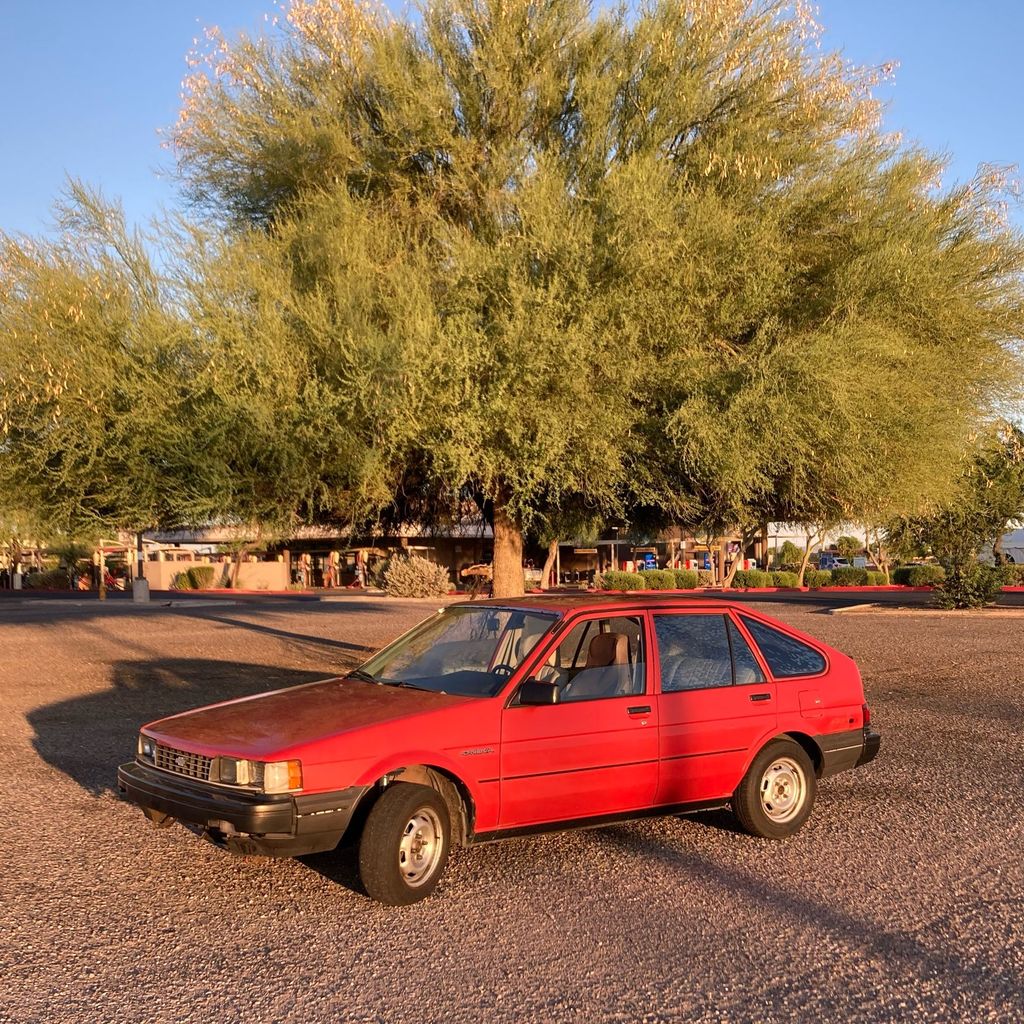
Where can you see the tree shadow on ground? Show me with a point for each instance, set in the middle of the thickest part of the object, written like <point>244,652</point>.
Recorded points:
<point>86,738</point>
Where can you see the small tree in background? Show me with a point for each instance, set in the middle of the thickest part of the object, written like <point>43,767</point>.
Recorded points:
<point>848,547</point>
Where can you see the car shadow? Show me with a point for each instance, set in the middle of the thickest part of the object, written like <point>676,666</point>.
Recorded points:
<point>87,737</point>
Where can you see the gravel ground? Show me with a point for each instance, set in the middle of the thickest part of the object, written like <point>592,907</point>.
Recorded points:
<point>902,899</point>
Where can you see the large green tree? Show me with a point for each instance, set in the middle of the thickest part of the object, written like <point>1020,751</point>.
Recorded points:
<point>665,260</point>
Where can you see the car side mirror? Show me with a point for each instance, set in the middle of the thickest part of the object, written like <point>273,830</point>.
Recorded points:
<point>535,692</point>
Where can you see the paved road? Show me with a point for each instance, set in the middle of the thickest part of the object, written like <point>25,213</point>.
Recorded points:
<point>902,900</point>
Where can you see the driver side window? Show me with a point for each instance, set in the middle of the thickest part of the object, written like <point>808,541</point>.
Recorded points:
<point>598,658</point>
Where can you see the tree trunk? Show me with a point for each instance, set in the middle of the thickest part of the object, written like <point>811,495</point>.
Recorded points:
<point>508,553</point>
<point>549,564</point>
<point>807,557</point>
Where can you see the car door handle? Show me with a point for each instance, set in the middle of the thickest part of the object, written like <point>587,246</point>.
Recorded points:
<point>640,709</point>
<point>760,696</point>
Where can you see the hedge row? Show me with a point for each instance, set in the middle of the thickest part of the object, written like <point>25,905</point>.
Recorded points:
<point>918,575</point>
<point>649,579</point>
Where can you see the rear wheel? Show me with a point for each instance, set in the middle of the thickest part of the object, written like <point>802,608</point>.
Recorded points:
<point>404,846</point>
<point>777,793</point>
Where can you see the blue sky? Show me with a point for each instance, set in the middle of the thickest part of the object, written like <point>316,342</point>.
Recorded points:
<point>87,85</point>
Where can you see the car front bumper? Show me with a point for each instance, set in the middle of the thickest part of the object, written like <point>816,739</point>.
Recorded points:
<point>273,825</point>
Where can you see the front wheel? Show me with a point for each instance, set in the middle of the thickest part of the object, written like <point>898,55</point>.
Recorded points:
<point>404,846</point>
<point>777,793</point>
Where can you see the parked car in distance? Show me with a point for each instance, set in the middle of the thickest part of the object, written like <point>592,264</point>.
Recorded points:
<point>501,718</point>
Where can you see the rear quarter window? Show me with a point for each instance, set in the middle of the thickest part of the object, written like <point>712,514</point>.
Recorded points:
<point>786,656</point>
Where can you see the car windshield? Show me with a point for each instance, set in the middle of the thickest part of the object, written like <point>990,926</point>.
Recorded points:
<point>470,651</point>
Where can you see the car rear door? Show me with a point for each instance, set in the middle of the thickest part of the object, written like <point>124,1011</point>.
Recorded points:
<point>715,704</point>
<point>593,753</point>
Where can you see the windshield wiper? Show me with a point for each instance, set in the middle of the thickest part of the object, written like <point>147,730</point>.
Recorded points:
<point>358,673</point>
<point>404,685</point>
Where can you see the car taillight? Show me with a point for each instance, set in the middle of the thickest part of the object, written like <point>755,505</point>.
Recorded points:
<point>867,714</point>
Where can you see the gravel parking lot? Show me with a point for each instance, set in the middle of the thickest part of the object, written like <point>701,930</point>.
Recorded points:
<point>902,900</point>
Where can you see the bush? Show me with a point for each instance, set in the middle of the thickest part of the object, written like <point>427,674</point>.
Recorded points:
<point>200,577</point>
<point>752,578</point>
<point>876,578</point>
<point>416,577</point>
<point>705,578</point>
<point>918,575</point>
<point>181,581</point>
<point>785,579</point>
<point>52,579</point>
<point>615,579</point>
<point>848,576</point>
<point>972,587</point>
<point>1014,575</point>
<point>658,579</point>
<point>815,578</point>
<point>686,579</point>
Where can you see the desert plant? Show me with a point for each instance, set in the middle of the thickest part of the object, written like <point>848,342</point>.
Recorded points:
<point>705,578</point>
<point>785,579</point>
<point>414,576</point>
<point>687,579</point>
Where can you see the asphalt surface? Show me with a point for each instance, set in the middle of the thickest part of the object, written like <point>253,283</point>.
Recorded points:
<point>901,900</point>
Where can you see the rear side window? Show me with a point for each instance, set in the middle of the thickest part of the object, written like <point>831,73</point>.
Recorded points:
<point>785,655</point>
<point>694,652</point>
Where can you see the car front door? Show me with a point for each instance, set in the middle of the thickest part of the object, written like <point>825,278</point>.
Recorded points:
<point>595,751</point>
<point>715,705</point>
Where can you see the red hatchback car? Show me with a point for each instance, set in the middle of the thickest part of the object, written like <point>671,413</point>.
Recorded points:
<point>501,718</point>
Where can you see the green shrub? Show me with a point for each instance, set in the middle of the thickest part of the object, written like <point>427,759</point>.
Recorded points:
<point>918,575</point>
<point>971,587</point>
<point>815,578</point>
<point>1014,575</point>
<point>705,578</point>
<point>416,577</point>
<point>615,579</point>
<point>848,576</point>
<point>754,578</point>
<point>687,579</point>
<point>181,581</point>
<point>876,578</point>
<point>200,577</point>
<point>658,579</point>
<point>785,579</point>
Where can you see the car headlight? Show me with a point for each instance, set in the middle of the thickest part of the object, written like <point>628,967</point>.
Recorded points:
<point>270,777</point>
<point>233,771</point>
<point>147,748</point>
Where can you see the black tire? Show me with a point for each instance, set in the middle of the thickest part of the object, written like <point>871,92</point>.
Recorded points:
<point>404,846</point>
<point>781,770</point>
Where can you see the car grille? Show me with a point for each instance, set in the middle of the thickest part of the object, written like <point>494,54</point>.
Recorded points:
<point>183,762</point>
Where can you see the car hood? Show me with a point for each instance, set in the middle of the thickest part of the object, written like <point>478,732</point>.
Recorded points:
<point>282,719</point>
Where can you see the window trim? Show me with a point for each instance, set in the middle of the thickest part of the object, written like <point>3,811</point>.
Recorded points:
<point>827,664</point>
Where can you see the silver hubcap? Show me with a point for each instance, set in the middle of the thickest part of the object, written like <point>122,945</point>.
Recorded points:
<point>783,789</point>
<point>420,848</point>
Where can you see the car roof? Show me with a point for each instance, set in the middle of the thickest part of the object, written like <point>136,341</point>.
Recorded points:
<point>563,603</point>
